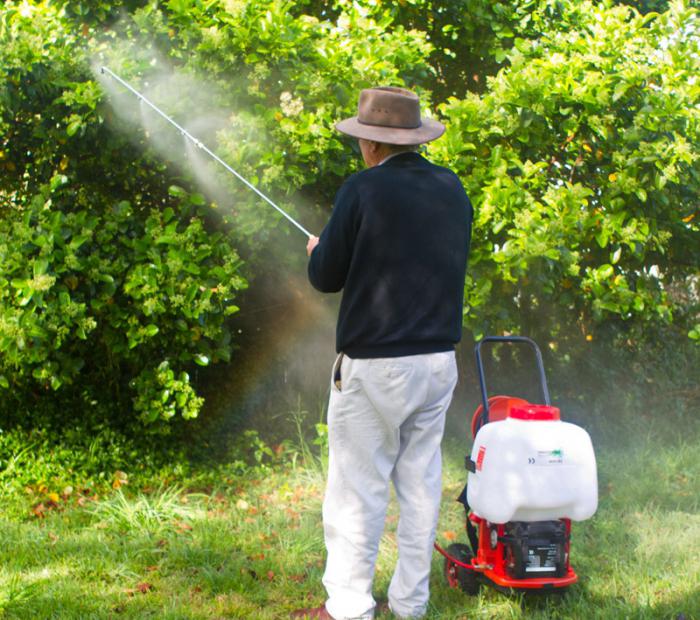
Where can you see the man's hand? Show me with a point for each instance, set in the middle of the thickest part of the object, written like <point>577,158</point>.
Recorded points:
<point>312,243</point>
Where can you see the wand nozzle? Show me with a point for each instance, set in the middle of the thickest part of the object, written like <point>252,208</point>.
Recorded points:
<point>199,144</point>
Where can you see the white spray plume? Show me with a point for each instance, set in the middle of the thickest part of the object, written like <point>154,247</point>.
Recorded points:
<point>148,107</point>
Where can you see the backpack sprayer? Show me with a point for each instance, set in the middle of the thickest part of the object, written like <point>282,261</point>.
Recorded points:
<point>203,147</point>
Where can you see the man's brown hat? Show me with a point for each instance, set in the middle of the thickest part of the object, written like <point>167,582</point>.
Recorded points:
<point>390,115</point>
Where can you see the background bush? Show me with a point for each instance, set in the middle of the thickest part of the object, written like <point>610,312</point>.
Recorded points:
<point>574,126</point>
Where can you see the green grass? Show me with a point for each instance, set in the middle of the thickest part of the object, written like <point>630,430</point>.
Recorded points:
<point>182,543</point>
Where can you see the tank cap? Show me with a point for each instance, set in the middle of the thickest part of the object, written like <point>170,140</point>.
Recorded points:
<point>534,412</point>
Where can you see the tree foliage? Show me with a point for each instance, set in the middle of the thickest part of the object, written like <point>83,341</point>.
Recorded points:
<point>116,277</point>
<point>582,157</point>
<point>105,276</point>
<point>574,126</point>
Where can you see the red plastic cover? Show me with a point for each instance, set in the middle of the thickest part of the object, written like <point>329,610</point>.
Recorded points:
<point>534,412</point>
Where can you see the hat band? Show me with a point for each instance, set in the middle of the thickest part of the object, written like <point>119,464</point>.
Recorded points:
<point>385,122</point>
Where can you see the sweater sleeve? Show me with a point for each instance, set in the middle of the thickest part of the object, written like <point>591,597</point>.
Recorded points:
<point>330,261</point>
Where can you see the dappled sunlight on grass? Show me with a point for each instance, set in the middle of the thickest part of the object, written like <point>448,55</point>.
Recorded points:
<point>254,548</point>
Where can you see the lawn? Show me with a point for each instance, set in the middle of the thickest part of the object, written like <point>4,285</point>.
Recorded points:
<point>182,543</point>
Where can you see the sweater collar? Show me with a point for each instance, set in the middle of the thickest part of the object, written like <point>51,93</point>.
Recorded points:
<point>398,158</point>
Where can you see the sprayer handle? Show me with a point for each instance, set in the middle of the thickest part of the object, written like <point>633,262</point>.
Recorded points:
<point>482,379</point>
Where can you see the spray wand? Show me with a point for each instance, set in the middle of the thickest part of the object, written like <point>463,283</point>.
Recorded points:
<point>203,147</point>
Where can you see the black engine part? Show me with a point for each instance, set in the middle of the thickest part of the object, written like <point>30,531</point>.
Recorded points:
<point>535,549</point>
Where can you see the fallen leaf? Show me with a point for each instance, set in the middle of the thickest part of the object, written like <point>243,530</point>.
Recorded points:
<point>143,588</point>
<point>181,527</point>
<point>120,479</point>
<point>449,535</point>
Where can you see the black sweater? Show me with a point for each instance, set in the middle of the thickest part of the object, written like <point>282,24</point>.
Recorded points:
<point>397,243</point>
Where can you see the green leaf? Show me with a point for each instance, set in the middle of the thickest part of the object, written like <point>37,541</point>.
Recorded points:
<point>201,359</point>
<point>4,382</point>
<point>151,330</point>
<point>177,191</point>
<point>604,272</point>
<point>57,181</point>
<point>40,267</point>
<point>77,241</point>
<point>198,200</point>
<point>602,238</point>
<point>74,125</point>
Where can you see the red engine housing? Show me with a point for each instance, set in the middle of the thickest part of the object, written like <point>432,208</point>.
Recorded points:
<point>493,561</point>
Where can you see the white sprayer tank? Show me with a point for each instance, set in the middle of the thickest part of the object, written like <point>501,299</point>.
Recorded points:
<point>533,467</point>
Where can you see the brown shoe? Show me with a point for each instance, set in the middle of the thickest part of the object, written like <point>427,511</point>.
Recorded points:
<point>316,612</point>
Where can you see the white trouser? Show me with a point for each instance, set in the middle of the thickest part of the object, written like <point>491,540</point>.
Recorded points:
<point>385,422</point>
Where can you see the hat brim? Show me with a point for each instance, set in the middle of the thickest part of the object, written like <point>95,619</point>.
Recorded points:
<point>429,130</point>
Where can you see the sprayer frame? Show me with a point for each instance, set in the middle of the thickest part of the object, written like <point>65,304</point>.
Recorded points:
<point>487,563</point>
<point>200,145</point>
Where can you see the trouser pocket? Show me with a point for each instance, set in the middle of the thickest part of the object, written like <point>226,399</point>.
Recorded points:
<point>336,377</point>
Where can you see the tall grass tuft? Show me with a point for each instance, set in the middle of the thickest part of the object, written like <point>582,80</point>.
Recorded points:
<point>15,591</point>
<point>165,508</point>
<point>312,454</point>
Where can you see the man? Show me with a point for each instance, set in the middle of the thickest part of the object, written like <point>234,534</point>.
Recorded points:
<point>396,244</point>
